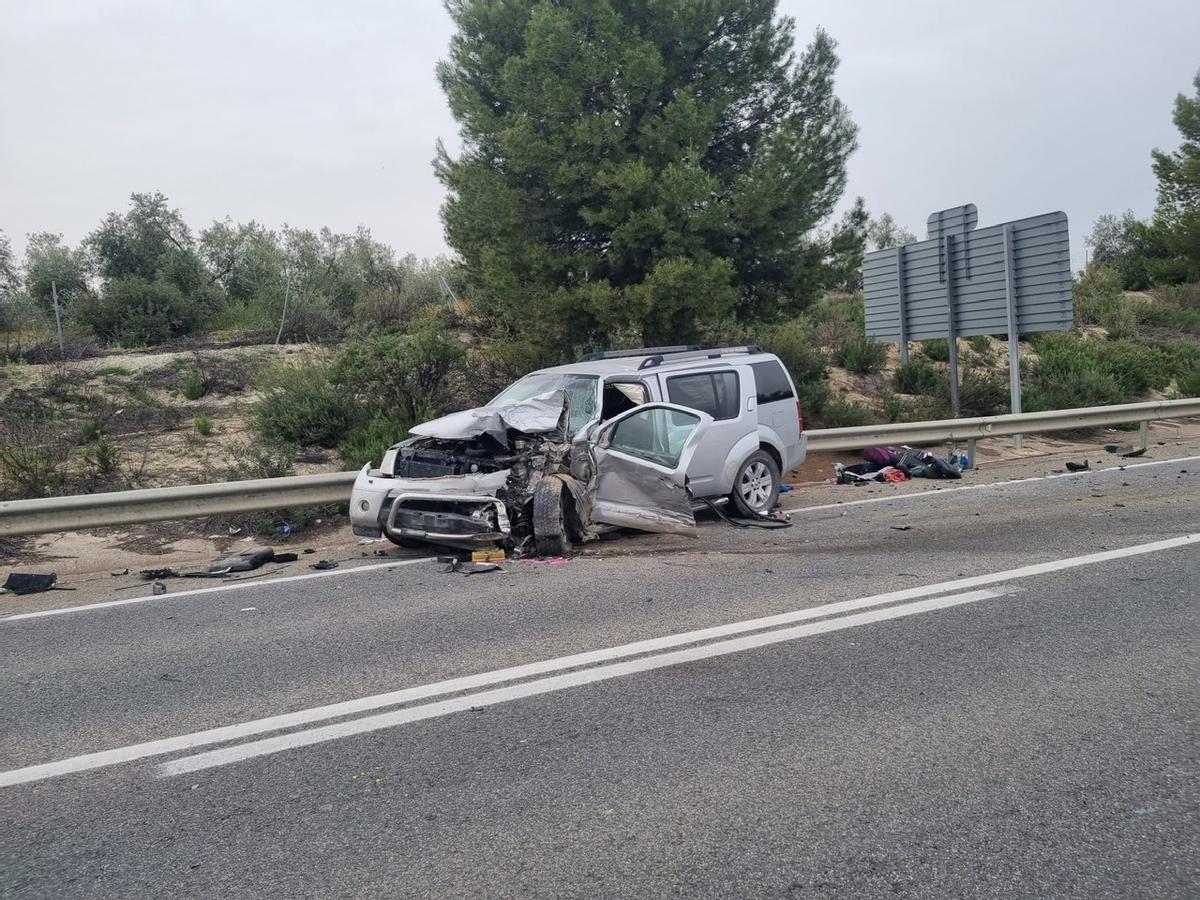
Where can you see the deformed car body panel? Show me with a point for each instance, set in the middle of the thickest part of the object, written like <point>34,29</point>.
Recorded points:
<point>537,415</point>
<point>630,491</point>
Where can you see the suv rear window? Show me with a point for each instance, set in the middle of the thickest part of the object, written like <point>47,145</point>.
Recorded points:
<point>772,382</point>
<point>715,393</point>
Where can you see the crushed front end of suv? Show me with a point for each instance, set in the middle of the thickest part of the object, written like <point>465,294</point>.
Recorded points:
<point>512,474</point>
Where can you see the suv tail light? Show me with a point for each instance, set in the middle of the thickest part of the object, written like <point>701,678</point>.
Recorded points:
<point>800,415</point>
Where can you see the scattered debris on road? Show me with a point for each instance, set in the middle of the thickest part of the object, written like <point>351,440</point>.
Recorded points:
<point>323,565</point>
<point>1078,467</point>
<point>21,583</point>
<point>460,566</point>
<point>1124,450</point>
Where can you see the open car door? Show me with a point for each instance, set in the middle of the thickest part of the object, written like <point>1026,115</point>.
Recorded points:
<point>640,463</point>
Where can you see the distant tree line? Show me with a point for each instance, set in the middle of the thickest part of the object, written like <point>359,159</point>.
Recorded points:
<point>144,277</point>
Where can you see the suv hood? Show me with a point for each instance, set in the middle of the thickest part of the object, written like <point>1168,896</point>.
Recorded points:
<point>537,415</point>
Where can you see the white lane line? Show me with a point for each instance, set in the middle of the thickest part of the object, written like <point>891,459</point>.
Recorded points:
<point>311,736</point>
<point>248,583</point>
<point>942,492</point>
<point>225,733</point>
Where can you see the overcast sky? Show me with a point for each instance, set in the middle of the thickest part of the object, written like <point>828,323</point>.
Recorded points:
<point>318,113</point>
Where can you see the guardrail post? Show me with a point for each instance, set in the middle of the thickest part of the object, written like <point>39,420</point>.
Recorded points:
<point>970,453</point>
<point>1144,434</point>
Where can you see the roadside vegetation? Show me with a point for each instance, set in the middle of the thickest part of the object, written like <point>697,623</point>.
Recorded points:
<point>240,351</point>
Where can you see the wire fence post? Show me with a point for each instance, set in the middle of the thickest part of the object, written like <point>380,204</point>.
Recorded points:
<point>287,290</point>
<point>57,318</point>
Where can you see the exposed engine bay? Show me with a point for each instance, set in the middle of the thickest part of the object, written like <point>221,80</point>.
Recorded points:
<point>469,478</point>
<point>514,476</point>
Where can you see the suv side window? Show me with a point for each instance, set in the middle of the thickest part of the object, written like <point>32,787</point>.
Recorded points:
<point>772,382</point>
<point>715,393</point>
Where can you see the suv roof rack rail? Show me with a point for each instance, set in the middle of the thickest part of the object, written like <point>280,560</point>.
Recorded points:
<point>712,353</point>
<point>656,356</point>
<point>639,351</point>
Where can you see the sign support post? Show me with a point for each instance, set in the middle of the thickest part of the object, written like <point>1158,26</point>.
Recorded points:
<point>951,328</point>
<point>900,301</point>
<point>1014,333</point>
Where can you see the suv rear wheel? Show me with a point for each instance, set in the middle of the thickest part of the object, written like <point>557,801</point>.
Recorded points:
<point>756,486</point>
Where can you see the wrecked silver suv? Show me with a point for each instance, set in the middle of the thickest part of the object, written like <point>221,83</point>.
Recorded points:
<point>570,437</point>
<point>512,474</point>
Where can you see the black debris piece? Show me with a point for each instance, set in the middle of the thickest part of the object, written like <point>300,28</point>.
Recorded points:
<point>284,557</point>
<point>30,583</point>
<point>323,564</point>
<point>1078,467</point>
<point>308,550</point>
<point>159,574</point>
<point>469,568</point>
<point>1125,450</point>
<point>901,527</point>
<point>764,521</point>
<point>245,561</point>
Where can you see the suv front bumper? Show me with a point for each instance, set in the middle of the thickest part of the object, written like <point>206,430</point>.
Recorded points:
<point>451,509</point>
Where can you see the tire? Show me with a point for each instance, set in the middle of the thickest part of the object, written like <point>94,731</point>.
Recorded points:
<point>756,485</point>
<point>549,523</point>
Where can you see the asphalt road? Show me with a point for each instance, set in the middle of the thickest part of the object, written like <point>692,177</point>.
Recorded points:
<point>970,693</point>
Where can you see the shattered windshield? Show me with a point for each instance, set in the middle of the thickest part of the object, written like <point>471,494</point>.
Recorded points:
<point>582,390</point>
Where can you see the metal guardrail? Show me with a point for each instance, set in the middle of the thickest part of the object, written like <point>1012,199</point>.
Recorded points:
<point>962,430</point>
<point>162,504</point>
<point>18,517</point>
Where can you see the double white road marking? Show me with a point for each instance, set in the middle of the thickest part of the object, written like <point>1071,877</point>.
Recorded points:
<point>568,671</point>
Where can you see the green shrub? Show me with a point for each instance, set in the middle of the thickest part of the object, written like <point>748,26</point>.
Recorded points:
<point>1098,300</point>
<point>34,453</point>
<point>203,425</point>
<point>192,386</point>
<point>937,349</point>
<point>407,377</point>
<point>299,405</point>
<point>1182,359</point>
<point>100,464</point>
<point>917,376</point>
<point>367,443</point>
<point>1136,367</point>
<point>795,346</point>
<point>133,312</point>
<point>862,354</point>
<point>268,459</point>
<point>1189,384</point>
<point>1174,307</point>
<point>812,396</point>
<point>1069,373</point>
<point>979,394</point>
<point>835,319</point>
<point>843,413</point>
<point>90,430</point>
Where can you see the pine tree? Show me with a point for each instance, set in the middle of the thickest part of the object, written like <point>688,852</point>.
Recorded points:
<point>1177,217</point>
<point>634,170</point>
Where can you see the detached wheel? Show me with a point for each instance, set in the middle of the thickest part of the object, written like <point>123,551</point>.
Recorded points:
<point>549,521</point>
<point>756,486</point>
